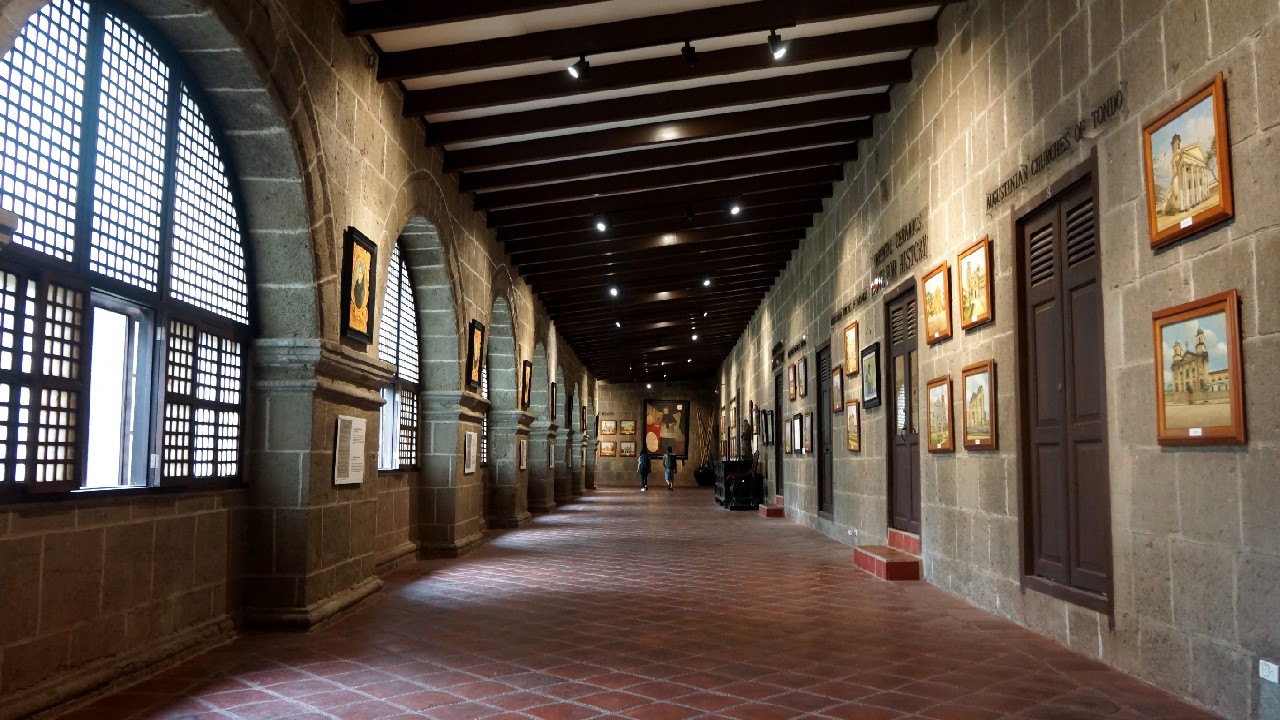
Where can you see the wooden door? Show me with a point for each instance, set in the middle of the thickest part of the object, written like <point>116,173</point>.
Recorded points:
<point>902,319</point>
<point>1064,391</point>
<point>822,426</point>
<point>778,440</point>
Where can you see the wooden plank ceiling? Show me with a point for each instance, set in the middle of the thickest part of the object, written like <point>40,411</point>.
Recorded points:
<point>654,143</point>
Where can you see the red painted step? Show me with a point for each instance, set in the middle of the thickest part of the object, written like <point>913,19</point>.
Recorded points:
<point>887,563</point>
<point>771,510</point>
<point>905,541</point>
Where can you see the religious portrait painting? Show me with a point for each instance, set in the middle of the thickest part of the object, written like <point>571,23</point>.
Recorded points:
<point>359,264</point>
<point>475,352</point>
<point>666,424</point>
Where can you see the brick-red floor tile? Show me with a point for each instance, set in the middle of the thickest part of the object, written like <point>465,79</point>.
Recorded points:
<point>652,607</point>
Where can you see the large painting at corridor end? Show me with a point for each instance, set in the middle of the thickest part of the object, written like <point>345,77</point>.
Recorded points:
<point>1199,392</point>
<point>1188,166</point>
<point>666,424</point>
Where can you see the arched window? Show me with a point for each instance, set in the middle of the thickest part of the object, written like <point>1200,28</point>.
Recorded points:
<point>484,420</point>
<point>398,345</point>
<point>124,305</point>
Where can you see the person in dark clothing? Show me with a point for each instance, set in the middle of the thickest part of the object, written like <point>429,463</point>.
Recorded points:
<point>642,467</point>
<point>669,468</point>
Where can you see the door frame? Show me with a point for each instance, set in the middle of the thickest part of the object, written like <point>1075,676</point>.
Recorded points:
<point>908,285</point>
<point>1088,169</point>
<point>822,420</point>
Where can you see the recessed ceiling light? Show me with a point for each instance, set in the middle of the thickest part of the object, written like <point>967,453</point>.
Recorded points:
<point>618,323</point>
<point>649,385</point>
<point>601,223</point>
<point>735,206</point>
<point>613,291</point>
<point>695,336</point>
<point>706,283</point>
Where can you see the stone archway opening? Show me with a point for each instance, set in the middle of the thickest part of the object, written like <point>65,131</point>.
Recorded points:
<point>541,473</point>
<point>506,501</point>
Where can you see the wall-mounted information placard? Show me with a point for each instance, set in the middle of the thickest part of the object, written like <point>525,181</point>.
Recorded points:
<point>348,451</point>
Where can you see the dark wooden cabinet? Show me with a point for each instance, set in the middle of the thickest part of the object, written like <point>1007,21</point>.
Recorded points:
<point>738,485</point>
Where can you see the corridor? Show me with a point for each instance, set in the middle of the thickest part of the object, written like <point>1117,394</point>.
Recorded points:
<point>650,606</point>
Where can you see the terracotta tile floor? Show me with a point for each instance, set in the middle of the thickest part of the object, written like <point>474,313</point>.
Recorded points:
<point>659,606</point>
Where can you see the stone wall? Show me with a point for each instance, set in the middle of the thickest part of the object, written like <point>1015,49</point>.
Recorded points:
<point>1196,543</point>
<point>625,401</point>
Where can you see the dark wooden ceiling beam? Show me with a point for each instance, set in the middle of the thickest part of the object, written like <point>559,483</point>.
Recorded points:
<point>666,178</point>
<point>676,253</point>
<point>706,213</point>
<point>665,157</point>
<point>654,134</point>
<point>655,30</point>
<point>670,102</point>
<point>599,284</point>
<point>719,191</point>
<point>658,289</point>
<point>388,15</point>
<point>658,261</point>
<point>653,71</point>
<point>780,228</point>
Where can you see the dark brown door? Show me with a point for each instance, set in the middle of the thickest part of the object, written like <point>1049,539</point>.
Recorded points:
<point>822,425</point>
<point>1064,391</point>
<point>777,434</point>
<point>904,396</point>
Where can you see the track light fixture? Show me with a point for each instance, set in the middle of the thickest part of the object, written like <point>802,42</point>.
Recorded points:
<point>776,46</point>
<point>581,69</point>
<point>690,55</point>
<point>601,223</point>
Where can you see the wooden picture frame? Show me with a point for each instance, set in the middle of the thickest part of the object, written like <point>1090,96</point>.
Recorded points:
<point>791,381</point>
<point>808,432</point>
<point>870,360</point>
<point>626,427</point>
<point>853,426</point>
<point>1199,372</point>
<point>973,274</point>
<point>359,285</point>
<point>797,433</point>
<point>470,450</point>
<point>582,419</point>
<point>851,348</point>
<point>608,448</point>
<point>837,390</point>
<point>802,376</point>
<point>608,427</point>
<point>475,352</point>
<point>626,448</point>
<point>940,436</point>
<point>551,400</point>
<point>978,405</point>
<point>937,304</point>
<point>667,422</point>
<point>1188,167</point>
<point>786,436</point>
<point>526,380</point>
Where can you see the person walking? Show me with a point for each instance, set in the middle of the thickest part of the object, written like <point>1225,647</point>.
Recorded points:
<point>642,467</point>
<point>669,469</point>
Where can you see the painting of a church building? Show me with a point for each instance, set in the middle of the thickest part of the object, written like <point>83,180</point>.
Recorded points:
<point>1184,157</point>
<point>1197,382</point>
<point>1192,381</point>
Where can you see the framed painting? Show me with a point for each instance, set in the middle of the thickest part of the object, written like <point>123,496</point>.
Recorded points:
<point>359,273</point>
<point>626,427</point>
<point>733,416</point>
<point>751,415</point>
<point>608,427</point>
<point>941,426</point>
<point>475,352</point>
<point>871,376</point>
<point>470,447</point>
<point>582,418</point>
<point>937,304</point>
<point>608,448</point>
<point>666,424</point>
<point>1187,159</point>
<point>526,383</point>
<point>802,376</point>
<point>791,381</point>
<point>1199,386</point>
<point>786,436</point>
<point>837,389</point>
<point>979,405</point>
<point>522,453</point>
<point>797,433</point>
<point>851,348</point>
<point>808,431</point>
<point>552,400</point>
<point>973,265</point>
<point>627,448</point>
<point>853,426</point>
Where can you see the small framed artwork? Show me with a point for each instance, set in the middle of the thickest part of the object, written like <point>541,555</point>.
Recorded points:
<point>791,381</point>
<point>733,415</point>
<point>937,304</point>
<point>1186,156</point>
<point>522,453</point>
<point>974,267</point>
<point>526,380</point>
<point>610,427</point>
<point>359,267</point>
<point>871,376</point>
<point>786,436</point>
<point>608,448</point>
<point>797,433</point>
<point>853,423</point>
<point>802,376</point>
<point>751,415</point>
<point>551,457</point>
<point>808,432</point>
<point>553,401</point>
<point>979,405</point>
<point>837,389</point>
<point>475,352</point>
<point>941,427</point>
<point>851,348</point>
<point>627,448</point>
<point>768,428</point>
<point>626,427</point>
<point>1199,386</point>
<point>582,418</point>
<point>470,445</point>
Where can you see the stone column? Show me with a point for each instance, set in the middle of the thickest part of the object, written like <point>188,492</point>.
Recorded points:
<point>579,474</point>
<point>509,498</point>
<point>448,512</point>
<point>593,449</point>
<point>541,478</point>
<point>564,467</point>
<point>313,541</point>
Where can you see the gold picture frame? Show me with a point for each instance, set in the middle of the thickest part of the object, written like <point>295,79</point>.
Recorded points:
<point>851,348</point>
<point>475,352</point>
<point>608,427</point>
<point>626,427</point>
<point>359,276</point>
<point>937,304</point>
<point>837,390</point>
<point>853,426</point>
<point>940,425</point>
<point>973,273</point>
<point>978,383</point>
<point>608,448</point>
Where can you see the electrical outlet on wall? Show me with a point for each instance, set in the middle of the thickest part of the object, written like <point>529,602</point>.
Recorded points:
<point>1268,671</point>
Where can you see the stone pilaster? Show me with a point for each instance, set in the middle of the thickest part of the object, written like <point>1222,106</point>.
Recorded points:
<point>564,448</point>
<point>593,448</point>
<point>541,475</point>
<point>449,508</point>
<point>509,493</point>
<point>579,474</point>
